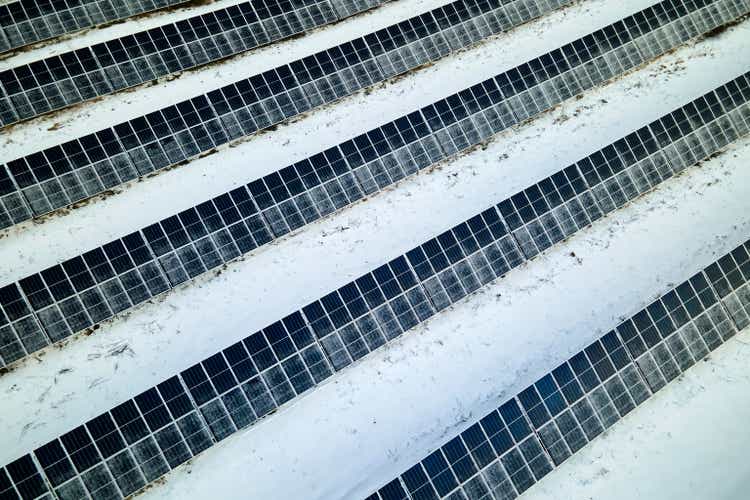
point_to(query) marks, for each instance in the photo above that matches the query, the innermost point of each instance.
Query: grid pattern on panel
(84, 167)
(499, 454)
(582, 397)
(674, 332)
(52, 305)
(76, 76)
(60, 81)
(729, 277)
(22, 479)
(28, 21)
(131, 445)
(550, 211)
(85, 290)
(635, 164)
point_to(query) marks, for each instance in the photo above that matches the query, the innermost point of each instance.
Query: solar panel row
(84, 167)
(72, 77)
(28, 21)
(123, 449)
(312, 81)
(52, 305)
(508, 450)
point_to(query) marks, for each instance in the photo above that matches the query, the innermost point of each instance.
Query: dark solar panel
(76, 76)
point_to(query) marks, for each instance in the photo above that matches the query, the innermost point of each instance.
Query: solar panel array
(508, 450)
(52, 305)
(28, 21)
(63, 80)
(136, 442)
(85, 167)
(133, 444)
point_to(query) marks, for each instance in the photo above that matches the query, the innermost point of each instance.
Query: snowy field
(368, 423)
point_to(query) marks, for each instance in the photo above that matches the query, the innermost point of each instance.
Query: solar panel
(508, 451)
(86, 73)
(261, 21)
(28, 21)
(85, 167)
(107, 67)
(728, 277)
(511, 448)
(67, 298)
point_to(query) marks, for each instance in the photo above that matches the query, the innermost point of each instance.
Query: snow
(375, 419)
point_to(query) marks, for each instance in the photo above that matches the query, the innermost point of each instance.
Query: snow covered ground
(373, 420)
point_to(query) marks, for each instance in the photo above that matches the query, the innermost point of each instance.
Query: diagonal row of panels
(23, 22)
(120, 451)
(511, 448)
(52, 305)
(69, 78)
(84, 167)
(29, 21)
